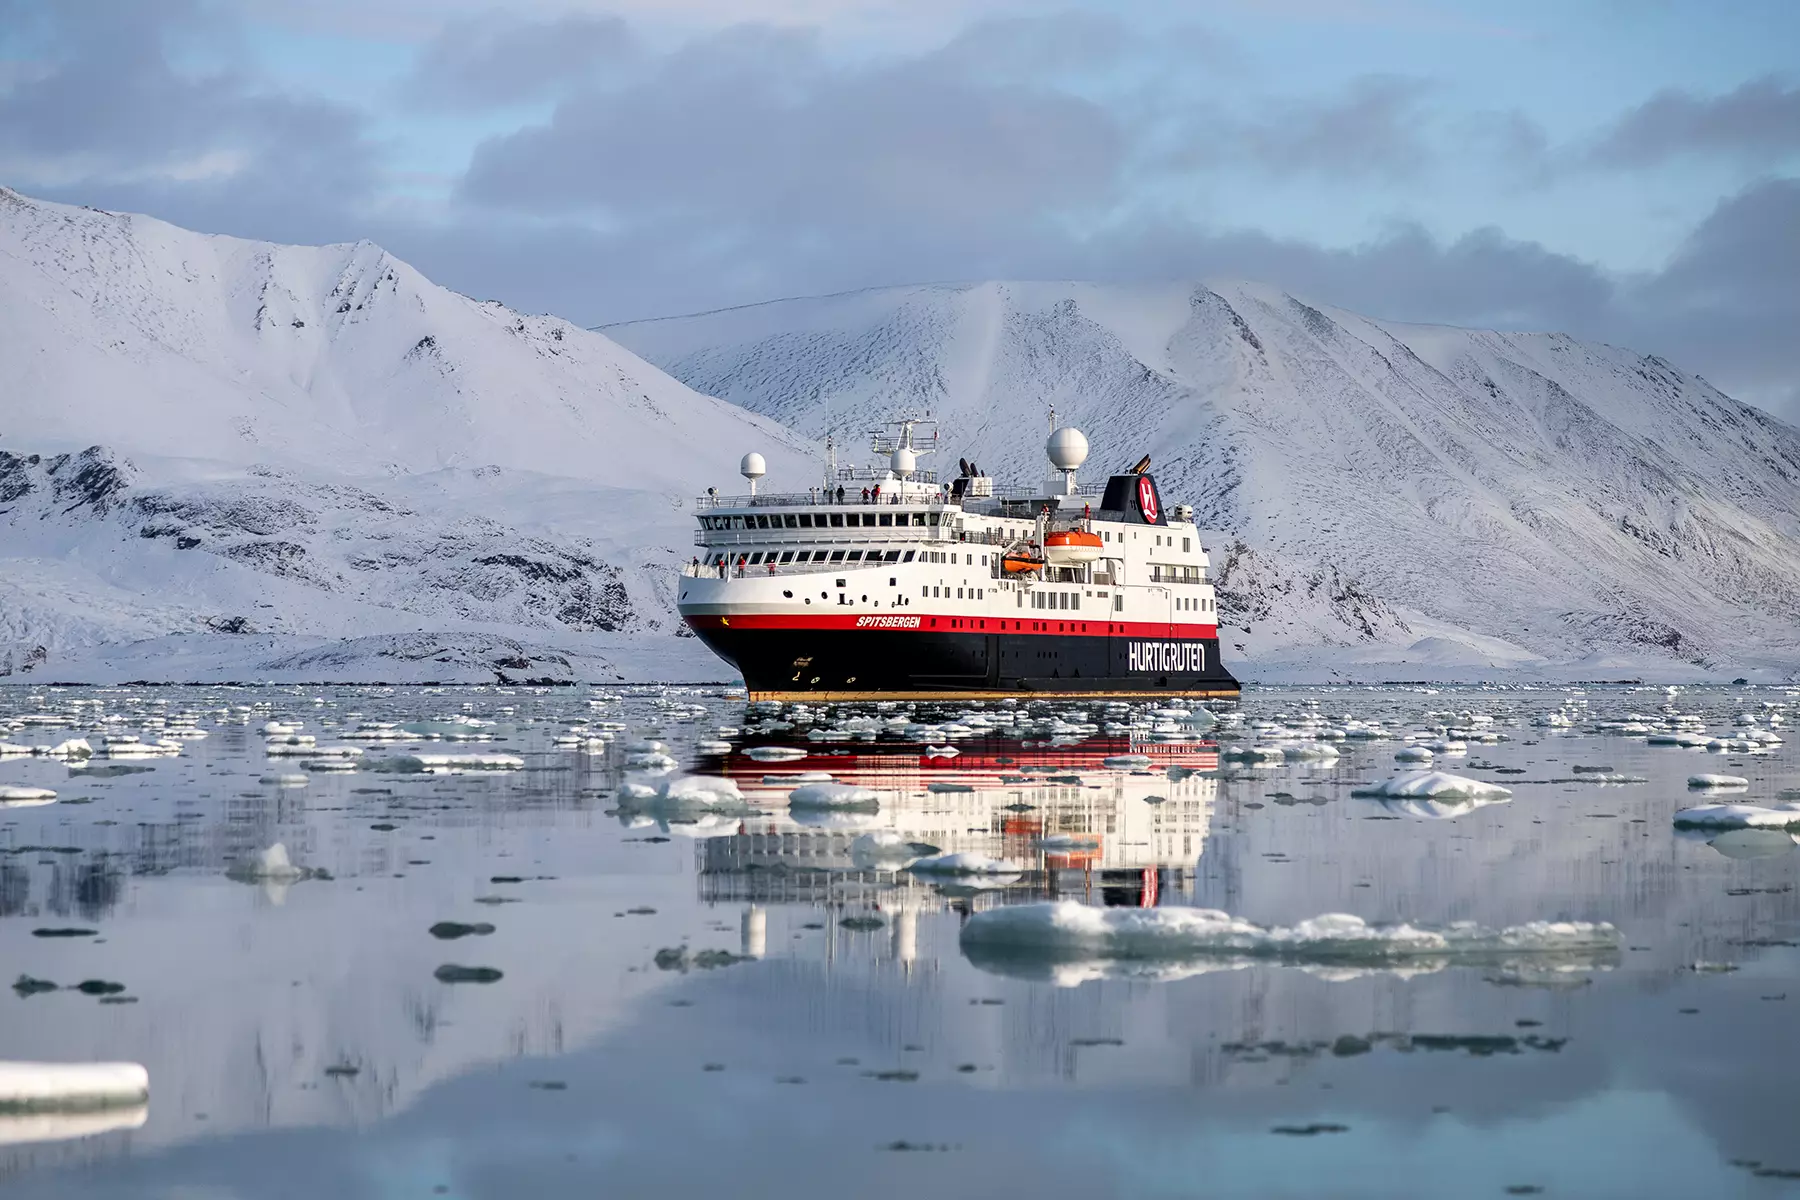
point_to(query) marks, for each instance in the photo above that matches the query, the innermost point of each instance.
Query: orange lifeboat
(1020, 562)
(1071, 547)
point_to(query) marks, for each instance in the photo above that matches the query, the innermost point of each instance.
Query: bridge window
(893, 556)
(887, 518)
(756, 558)
(854, 556)
(837, 556)
(909, 556)
(806, 520)
(787, 556)
(837, 520)
(790, 521)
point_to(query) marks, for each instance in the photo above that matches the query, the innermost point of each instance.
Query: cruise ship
(884, 584)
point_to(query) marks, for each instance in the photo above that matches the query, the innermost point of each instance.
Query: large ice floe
(63, 1087)
(1739, 816)
(1066, 942)
(25, 797)
(1435, 785)
(833, 795)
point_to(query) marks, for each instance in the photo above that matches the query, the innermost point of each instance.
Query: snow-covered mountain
(1421, 497)
(223, 458)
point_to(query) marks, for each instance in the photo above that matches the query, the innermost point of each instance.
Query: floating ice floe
(775, 753)
(833, 795)
(794, 779)
(412, 764)
(650, 760)
(965, 862)
(1717, 782)
(1126, 762)
(1433, 785)
(25, 797)
(286, 779)
(1066, 928)
(51, 1087)
(72, 748)
(1412, 754)
(1739, 816)
(941, 751)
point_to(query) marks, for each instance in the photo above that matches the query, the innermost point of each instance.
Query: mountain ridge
(1332, 442)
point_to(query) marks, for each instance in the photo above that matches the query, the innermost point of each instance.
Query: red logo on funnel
(1147, 498)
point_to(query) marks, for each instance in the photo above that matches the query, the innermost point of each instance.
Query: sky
(1625, 170)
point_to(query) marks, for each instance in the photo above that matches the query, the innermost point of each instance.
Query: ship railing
(765, 570)
(820, 497)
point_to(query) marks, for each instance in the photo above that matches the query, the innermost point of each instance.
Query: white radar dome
(903, 461)
(1067, 448)
(753, 466)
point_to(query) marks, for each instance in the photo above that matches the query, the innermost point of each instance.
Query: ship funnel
(753, 468)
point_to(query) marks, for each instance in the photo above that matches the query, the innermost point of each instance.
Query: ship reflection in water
(1053, 820)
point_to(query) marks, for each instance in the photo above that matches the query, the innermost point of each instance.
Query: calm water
(702, 1003)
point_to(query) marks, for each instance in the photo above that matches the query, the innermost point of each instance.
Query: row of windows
(1162, 573)
(943, 593)
(757, 558)
(835, 520)
(782, 557)
(1193, 604)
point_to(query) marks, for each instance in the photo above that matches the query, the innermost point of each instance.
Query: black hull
(861, 664)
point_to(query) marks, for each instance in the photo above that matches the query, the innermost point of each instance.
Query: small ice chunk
(1412, 754)
(965, 862)
(833, 795)
(1126, 762)
(775, 753)
(701, 789)
(408, 764)
(941, 751)
(286, 779)
(1717, 781)
(25, 797)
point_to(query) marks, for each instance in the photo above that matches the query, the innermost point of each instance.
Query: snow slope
(231, 459)
(1421, 498)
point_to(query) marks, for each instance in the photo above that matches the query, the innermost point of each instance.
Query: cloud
(1377, 128)
(655, 175)
(104, 110)
(1757, 123)
(496, 61)
(1729, 301)
(755, 130)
